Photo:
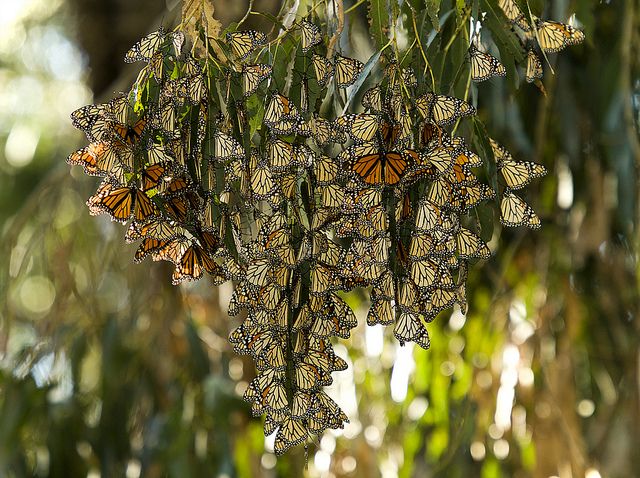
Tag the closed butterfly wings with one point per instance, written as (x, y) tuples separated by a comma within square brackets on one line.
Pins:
[(534, 67), (253, 75), (514, 14), (555, 36), (516, 174), (345, 70), (243, 43), (484, 65), (310, 34), (442, 109)]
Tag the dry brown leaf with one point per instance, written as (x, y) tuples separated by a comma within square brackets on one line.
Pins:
[(196, 15)]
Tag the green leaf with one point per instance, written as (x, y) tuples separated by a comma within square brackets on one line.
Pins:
[(379, 21), (255, 112)]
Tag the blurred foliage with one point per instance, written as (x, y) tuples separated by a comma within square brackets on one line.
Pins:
[(109, 371)]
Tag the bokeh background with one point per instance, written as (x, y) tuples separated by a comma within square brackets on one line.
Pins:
[(106, 370)]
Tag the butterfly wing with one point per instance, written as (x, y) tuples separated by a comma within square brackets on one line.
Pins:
[(311, 35), (347, 70), (515, 212), (534, 67), (484, 65)]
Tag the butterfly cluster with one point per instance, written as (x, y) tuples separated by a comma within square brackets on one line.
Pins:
[(545, 35), (232, 167)]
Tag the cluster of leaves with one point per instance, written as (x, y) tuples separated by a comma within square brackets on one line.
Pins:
[(246, 166)]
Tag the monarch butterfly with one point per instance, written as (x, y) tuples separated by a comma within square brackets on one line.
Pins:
[(121, 203), (279, 109), (534, 67), (484, 65), (272, 358), (322, 278), (129, 135), (385, 287), (421, 246), (441, 158), (514, 14), (156, 66), (459, 175), (326, 325), (325, 414), (428, 133), (439, 300), (373, 99), (360, 127), (468, 196), (259, 272), (334, 415), (409, 77), (300, 406), (347, 70), (408, 326), (391, 133), (441, 109), (444, 246), (381, 312), (428, 216), (158, 153), (193, 263), (325, 170), (94, 121), (515, 212), (177, 208), (325, 360), (321, 130), (196, 88), (330, 254), (332, 196), (271, 423), (119, 108), (311, 35), (96, 159), (292, 432), (253, 75), (172, 250), (309, 377), (156, 229), (265, 379), (323, 69), (243, 43), (151, 176), (470, 245), (274, 318), (226, 147), (269, 297), (145, 48), (516, 174), (149, 246), (440, 192), (375, 166), (555, 36), (262, 186), (282, 155), (425, 273), (273, 398), (463, 155)]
